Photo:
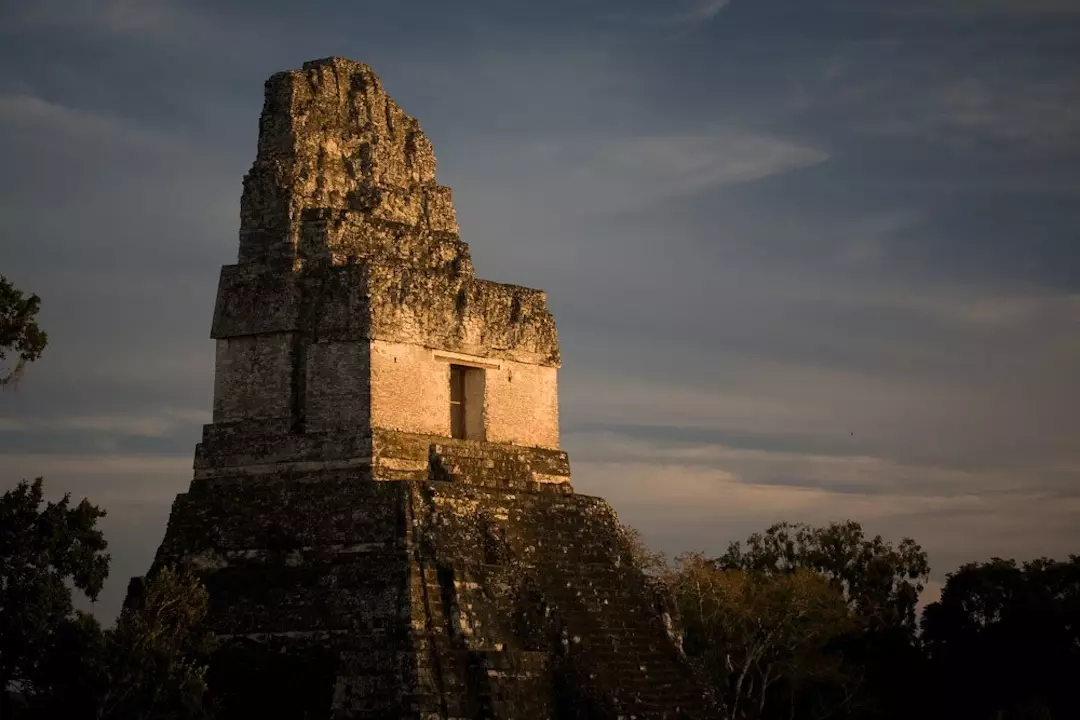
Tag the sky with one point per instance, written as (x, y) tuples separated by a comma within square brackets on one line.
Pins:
[(810, 259)]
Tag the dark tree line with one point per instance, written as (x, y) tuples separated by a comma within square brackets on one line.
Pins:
[(59, 662), (1004, 640), (804, 622)]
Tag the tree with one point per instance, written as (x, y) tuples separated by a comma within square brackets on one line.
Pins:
[(19, 332), (764, 640), (156, 657), (71, 676), (152, 664), (42, 550), (653, 563), (881, 583), (1004, 639)]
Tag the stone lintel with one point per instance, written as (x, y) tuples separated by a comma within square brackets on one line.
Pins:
[(471, 462)]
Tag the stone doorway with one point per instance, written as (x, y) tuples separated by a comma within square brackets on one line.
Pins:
[(466, 402)]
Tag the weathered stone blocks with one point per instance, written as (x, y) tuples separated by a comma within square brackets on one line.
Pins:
[(503, 602)]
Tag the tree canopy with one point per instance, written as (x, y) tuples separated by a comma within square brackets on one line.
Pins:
[(797, 620), (43, 548), (58, 662), (156, 657), (764, 640), (881, 583), (820, 622), (20, 335), (1007, 638)]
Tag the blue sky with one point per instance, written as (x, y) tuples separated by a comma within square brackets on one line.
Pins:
[(810, 259)]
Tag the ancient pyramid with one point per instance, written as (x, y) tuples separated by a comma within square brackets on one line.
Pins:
[(380, 510)]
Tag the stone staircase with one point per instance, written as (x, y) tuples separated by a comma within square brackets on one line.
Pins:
[(499, 466), (621, 647), (595, 619), (464, 674), (405, 456), (484, 593)]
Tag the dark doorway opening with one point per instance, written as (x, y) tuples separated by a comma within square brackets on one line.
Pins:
[(466, 402)]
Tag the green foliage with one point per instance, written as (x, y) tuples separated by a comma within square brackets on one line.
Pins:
[(1005, 639), (42, 550), (881, 583), (800, 621), (151, 665), (651, 562), (72, 674), (156, 657), (764, 640), (19, 332), (61, 663)]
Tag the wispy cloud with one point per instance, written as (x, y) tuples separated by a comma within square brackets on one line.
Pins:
[(678, 14), (114, 17), (35, 115), (162, 422), (1042, 114), (614, 174), (106, 480), (916, 8), (849, 473), (971, 380), (689, 163), (981, 90), (702, 11), (989, 311)]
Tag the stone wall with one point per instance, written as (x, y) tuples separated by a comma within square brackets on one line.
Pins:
[(351, 271), (477, 317), (410, 392), (331, 138), (253, 377), (317, 350), (337, 387), (309, 583), (391, 301), (333, 596), (523, 405)]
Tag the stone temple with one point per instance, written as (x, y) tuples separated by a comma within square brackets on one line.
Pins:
[(380, 510)]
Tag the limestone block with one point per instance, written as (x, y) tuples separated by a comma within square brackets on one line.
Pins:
[(254, 300), (337, 393), (341, 237), (253, 377)]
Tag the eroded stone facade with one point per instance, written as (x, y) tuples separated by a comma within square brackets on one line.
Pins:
[(354, 294), (361, 562)]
